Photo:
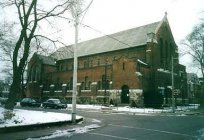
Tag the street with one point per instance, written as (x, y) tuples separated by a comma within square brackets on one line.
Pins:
[(122, 127)]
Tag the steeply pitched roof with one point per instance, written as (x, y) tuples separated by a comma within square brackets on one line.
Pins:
[(192, 78), (117, 41), (46, 59)]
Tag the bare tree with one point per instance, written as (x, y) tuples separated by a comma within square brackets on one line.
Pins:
[(30, 14), (7, 46), (194, 46)]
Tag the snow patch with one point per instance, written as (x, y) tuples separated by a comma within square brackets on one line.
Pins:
[(201, 134), (27, 117), (68, 132), (96, 121)]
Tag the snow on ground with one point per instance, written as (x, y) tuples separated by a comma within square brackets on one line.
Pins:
[(135, 110), (26, 117), (152, 110), (68, 132), (93, 107), (201, 134)]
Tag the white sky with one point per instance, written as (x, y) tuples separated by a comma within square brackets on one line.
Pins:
[(110, 16)]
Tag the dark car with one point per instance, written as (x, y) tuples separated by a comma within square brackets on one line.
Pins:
[(29, 102), (54, 103)]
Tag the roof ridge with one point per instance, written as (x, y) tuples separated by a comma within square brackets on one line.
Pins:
[(124, 39), (118, 32)]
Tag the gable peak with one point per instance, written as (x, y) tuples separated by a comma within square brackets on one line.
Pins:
[(165, 16)]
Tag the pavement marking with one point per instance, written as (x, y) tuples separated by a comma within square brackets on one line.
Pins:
[(147, 129), (111, 136)]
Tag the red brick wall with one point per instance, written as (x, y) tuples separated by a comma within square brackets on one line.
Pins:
[(96, 71), (121, 65), (124, 73)]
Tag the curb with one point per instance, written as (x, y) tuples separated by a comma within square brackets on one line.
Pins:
[(34, 126)]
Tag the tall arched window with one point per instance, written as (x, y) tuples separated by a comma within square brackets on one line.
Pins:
[(71, 83), (99, 84), (86, 83), (82, 85), (89, 85), (161, 51), (33, 75), (99, 62), (166, 53)]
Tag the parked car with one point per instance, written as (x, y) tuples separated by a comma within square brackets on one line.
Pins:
[(29, 102), (54, 103)]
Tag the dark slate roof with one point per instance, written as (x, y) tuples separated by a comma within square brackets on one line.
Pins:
[(46, 59), (117, 41)]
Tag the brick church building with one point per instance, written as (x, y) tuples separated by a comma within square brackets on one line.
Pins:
[(131, 66)]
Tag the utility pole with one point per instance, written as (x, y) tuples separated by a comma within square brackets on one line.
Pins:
[(76, 13), (74, 91), (105, 82), (172, 84)]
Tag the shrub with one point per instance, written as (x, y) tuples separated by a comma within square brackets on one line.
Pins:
[(152, 99), (8, 114), (133, 104)]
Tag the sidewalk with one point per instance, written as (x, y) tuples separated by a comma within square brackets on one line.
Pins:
[(180, 111)]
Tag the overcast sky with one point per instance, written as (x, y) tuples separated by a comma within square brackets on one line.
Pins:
[(110, 16)]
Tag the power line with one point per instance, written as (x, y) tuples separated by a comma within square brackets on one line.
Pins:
[(98, 31), (107, 35)]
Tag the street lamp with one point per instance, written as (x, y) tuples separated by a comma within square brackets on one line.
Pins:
[(172, 83), (75, 13), (105, 83)]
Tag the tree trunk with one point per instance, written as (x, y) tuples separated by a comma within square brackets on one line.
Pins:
[(14, 91)]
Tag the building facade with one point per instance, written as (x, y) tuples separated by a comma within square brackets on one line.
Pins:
[(132, 67)]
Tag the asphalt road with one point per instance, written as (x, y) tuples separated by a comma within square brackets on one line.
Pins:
[(123, 127)]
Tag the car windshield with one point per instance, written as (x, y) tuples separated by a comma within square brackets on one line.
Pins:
[(26, 100), (56, 101)]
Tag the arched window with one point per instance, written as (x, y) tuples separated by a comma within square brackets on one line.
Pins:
[(68, 85), (82, 85), (86, 83), (123, 65), (89, 85), (103, 81), (166, 49), (166, 52), (99, 62), (91, 63), (86, 64), (99, 84), (161, 51), (71, 83), (33, 74), (171, 50)]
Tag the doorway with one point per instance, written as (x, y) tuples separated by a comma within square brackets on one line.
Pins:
[(125, 94)]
